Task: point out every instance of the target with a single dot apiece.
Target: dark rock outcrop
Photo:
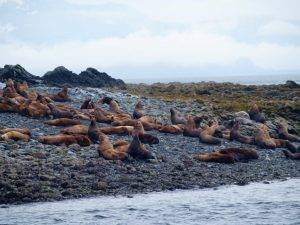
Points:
(61, 76)
(19, 74)
(292, 84)
(91, 77)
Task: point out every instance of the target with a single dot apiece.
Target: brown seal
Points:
(76, 129)
(228, 155)
(62, 122)
(122, 130)
(256, 114)
(235, 134)
(15, 135)
(192, 127)
(143, 136)
(20, 130)
(113, 105)
(110, 152)
(138, 110)
(137, 150)
(59, 113)
(176, 118)
(284, 134)
(101, 116)
(88, 104)
(293, 147)
(66, 139)
(34, 109)
(206, 134)
(61, 96)
(93, 132)
(290, 155)
(171, 128)
(262, 138)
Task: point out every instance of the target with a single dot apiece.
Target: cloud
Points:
(192, 48)
(279, 28)
(17, 2)
(6, 28)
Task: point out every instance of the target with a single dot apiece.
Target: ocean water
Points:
(256, 203)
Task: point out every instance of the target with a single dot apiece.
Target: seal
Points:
(137, 150)
(110, 152)
(284, 134)
(65, 139)
(16, 136)
(235, 134)
(290, 155)
(206, 134)
(121, 130)
(61, 96)
(93, 132)
(101, 116)
(192, 127)
(76, 129)
(293, 147)
(176, 118)
(20, 130)
(138, 110)
(88, 104)
(256, 114)
(171, 128)
(262, 138)
(143, 136)
(58, 113)
(228, 155)
(113, 105)
(34, 109)
(62, 122)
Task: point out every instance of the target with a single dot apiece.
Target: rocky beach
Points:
(31, 171)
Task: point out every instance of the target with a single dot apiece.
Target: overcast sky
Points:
(153, 38)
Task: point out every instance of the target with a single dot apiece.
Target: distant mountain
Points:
(61, 76)
(18, 73)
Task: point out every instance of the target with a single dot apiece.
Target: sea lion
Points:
(143, 136)
(10, 92)
(207, 132)
(228, 155)
(137, 150)
(256, 115)
(61, 96)
(35, 109)
(58, 113)
(66, 139)
(76, 129)
(176, 118)
(284, 134)
(192, 128)
(62, 122)
(138, 110)
(113, 105)
(9, 105)
(16, 136)
(108, 151)
(122, 130)
(235, 134)
(293, 147)
(20, 130)
(263, 139)
(93, 132)
(88, 104)
(100, 116)
(290, 155)
(171, 128)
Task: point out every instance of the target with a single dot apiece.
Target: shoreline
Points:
(34, 172)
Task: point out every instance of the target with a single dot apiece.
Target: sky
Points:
(153, 39)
